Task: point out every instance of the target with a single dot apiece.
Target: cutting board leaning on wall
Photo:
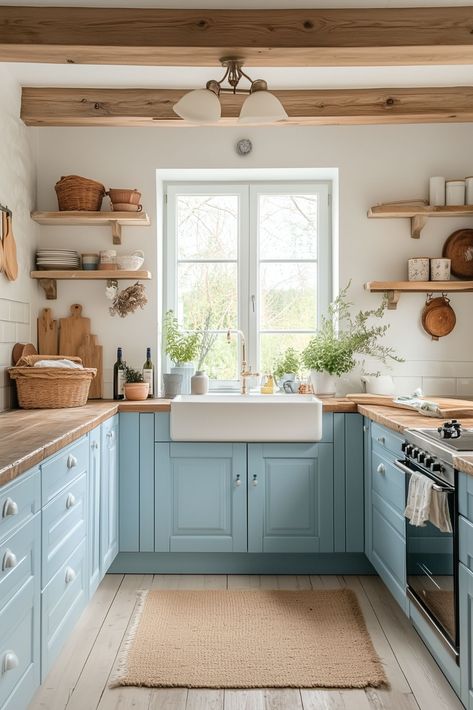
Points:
(72, 331)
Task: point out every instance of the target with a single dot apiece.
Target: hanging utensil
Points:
(10, 263)
(438, 317)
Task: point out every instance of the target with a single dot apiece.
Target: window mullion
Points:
(253, 269)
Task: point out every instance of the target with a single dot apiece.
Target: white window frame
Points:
(248, 252)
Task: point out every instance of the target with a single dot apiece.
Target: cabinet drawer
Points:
(62, 602)
(386, 438)
(59, 471)
(387, 480)
(465, 542)
(19, 501)
(389, 555)
(63, 526)
(19, 647)
(20, 559)
(465, 495)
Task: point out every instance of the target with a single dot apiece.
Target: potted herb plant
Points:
(182, 348)
(341, 338)
(286, 367)
(135, 387)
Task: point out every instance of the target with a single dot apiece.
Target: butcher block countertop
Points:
(27, 437)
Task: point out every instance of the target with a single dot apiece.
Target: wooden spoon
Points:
(10, 264)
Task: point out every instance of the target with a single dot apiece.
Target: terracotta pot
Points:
(136, 391)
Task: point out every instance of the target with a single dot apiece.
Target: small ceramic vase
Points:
(199, 383)
(172, 385)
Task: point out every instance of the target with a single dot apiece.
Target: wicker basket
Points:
(50, 387)
(77, 193)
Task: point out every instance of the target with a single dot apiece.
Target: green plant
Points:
(180, 346)
(288, 362)
(343, 336)
(132, 376)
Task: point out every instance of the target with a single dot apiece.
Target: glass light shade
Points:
(199, 106)
(262, 107)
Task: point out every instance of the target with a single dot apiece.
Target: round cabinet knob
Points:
(10, 661)
(71, 461)
(70, 575)
(110, 434)
(255, 480)
(381, 468)
(10, 508)
(9, 560)
(70, 501)
(238, 480)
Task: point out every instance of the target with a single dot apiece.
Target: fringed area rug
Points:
(249, 639)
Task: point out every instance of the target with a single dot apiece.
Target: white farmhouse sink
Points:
(246, 417)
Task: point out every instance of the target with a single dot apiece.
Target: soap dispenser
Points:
(267, 386)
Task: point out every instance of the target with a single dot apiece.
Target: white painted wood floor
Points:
(79, 679)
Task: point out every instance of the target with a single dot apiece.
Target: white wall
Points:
(17, 191)
(376, 164)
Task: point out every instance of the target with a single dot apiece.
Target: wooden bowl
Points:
(122, 195)
(126, 207)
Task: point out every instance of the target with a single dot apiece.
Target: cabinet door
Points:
(466, 635)
(200, 497)
(109, 494)
(94, 510)
(290, 498)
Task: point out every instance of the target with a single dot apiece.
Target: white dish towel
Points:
(424, 504)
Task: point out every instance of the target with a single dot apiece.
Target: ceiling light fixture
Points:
(203, 105)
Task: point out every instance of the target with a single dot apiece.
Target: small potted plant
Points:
(135, 387)
(286, 367)
(182, 348)
(341, 337)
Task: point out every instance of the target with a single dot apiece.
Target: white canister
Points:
(418, 268)
(455, 192)
(469, 190)
(437, 191)
(440, 269)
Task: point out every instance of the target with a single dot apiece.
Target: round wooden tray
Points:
(459, 248)
(438, 317)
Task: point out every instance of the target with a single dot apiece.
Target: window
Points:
(254, 257)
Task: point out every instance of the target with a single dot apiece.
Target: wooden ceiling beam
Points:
(309, 37)
(138, 107)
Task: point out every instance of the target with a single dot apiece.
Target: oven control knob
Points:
(435, 467)
(415, 453)
(404, 446)
(421, 456)
(429, 461)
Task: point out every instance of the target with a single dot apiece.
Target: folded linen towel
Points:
(419, 497)
(65, 363)
(424, 504)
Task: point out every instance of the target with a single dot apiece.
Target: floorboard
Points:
(80, 678)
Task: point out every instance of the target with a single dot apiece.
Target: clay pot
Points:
(137, 391)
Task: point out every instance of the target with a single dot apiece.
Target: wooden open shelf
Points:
(48, 279)
(116, 220)
(393, 289)
(418, 211)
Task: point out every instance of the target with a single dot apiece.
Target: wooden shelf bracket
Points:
(49, 287)
(393, 298)
(116, 232)
(418, 223)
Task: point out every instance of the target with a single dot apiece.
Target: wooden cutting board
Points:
(91, 355)
(10, 263)
(1, 241)
(47, 333)
(72, 331)
(22, 350)
(459, 248)
(448, 407)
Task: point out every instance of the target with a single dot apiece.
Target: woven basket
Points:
(50, 387)
(77, 193)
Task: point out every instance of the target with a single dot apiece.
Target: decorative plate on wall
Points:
(459, 248)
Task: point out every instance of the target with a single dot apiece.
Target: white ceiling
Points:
(277, 77)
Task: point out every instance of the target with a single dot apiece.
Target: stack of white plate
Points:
(57, 259)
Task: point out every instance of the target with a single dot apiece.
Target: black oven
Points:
(432, 555)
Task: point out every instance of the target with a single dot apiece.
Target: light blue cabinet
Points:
(200, 497)
(109, 494)
(93, 531)
(466, 635)
(385, 536)
(290, 498)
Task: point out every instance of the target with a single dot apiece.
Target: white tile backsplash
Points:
(439, 386)
(464, 386)
(14, 328)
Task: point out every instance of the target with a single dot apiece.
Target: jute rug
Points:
(249, 639)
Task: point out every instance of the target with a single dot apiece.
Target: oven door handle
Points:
(405, 469)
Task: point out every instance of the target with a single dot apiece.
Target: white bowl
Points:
(130, 262)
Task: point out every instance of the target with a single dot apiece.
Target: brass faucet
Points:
(245, 371)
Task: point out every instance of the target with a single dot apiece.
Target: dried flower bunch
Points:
(128, 300)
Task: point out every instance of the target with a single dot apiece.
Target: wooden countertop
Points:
(27, 437)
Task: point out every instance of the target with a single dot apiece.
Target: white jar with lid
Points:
(437, 191)
(455, 192)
